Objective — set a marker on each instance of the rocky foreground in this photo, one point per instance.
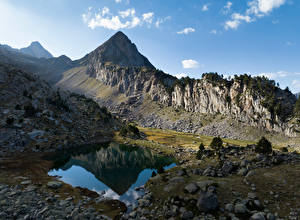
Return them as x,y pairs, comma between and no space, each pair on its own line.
238,183
242,185
28,201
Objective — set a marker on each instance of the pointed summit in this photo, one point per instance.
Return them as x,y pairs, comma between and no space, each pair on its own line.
119,50
36,50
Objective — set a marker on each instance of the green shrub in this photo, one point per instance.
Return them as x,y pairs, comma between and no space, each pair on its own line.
200,151
201,147
130,130
25,93
216,143
199,155
10,121
18,107
263,146
123,131
160,170
30,111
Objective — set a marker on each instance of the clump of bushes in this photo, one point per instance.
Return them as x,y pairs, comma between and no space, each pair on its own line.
59,102
200,151
18,107
263,146
30,111
130,131
10,121
216,143
160,170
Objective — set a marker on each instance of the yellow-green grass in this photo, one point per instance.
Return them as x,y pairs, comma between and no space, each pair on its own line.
174,138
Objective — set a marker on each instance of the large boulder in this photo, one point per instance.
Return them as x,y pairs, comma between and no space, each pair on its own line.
54,184
207,202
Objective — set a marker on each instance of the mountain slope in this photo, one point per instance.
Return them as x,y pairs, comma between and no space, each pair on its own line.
119,77
35,49
48,69
35,117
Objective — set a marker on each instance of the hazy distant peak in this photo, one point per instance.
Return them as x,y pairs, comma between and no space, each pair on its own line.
36,50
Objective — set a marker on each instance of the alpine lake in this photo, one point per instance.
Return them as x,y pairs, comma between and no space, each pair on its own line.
113,170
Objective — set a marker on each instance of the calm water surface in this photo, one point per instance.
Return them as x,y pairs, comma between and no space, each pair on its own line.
112,170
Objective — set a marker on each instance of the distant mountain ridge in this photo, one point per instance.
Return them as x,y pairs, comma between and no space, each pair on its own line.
35,49
297,95
118,76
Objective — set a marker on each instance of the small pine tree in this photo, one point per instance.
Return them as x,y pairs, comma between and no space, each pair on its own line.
263,146
201,147
10,121
200,151
199,155
216,143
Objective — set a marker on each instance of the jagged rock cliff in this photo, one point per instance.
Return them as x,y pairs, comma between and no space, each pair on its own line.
235,98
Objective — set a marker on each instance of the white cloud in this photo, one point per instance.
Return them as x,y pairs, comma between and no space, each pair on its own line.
127,13
205,7
256,9
236,21
296,84
186,31
190,64
123,20
228,5
161,20
213,31
232,24
180,75
119,1
279,74
148,17
263,7
237,16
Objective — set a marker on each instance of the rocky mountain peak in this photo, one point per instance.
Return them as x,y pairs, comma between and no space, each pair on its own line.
119,50
36,50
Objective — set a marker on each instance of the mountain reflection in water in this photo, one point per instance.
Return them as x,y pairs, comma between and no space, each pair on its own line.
116,169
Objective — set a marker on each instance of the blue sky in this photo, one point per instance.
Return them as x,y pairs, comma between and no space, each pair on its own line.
181,37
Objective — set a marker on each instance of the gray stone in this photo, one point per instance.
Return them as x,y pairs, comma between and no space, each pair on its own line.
229,207
258,216
191,188
270,216
54,184
252,195
187,215
207,202
240,208
243,172
26,182
204,184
